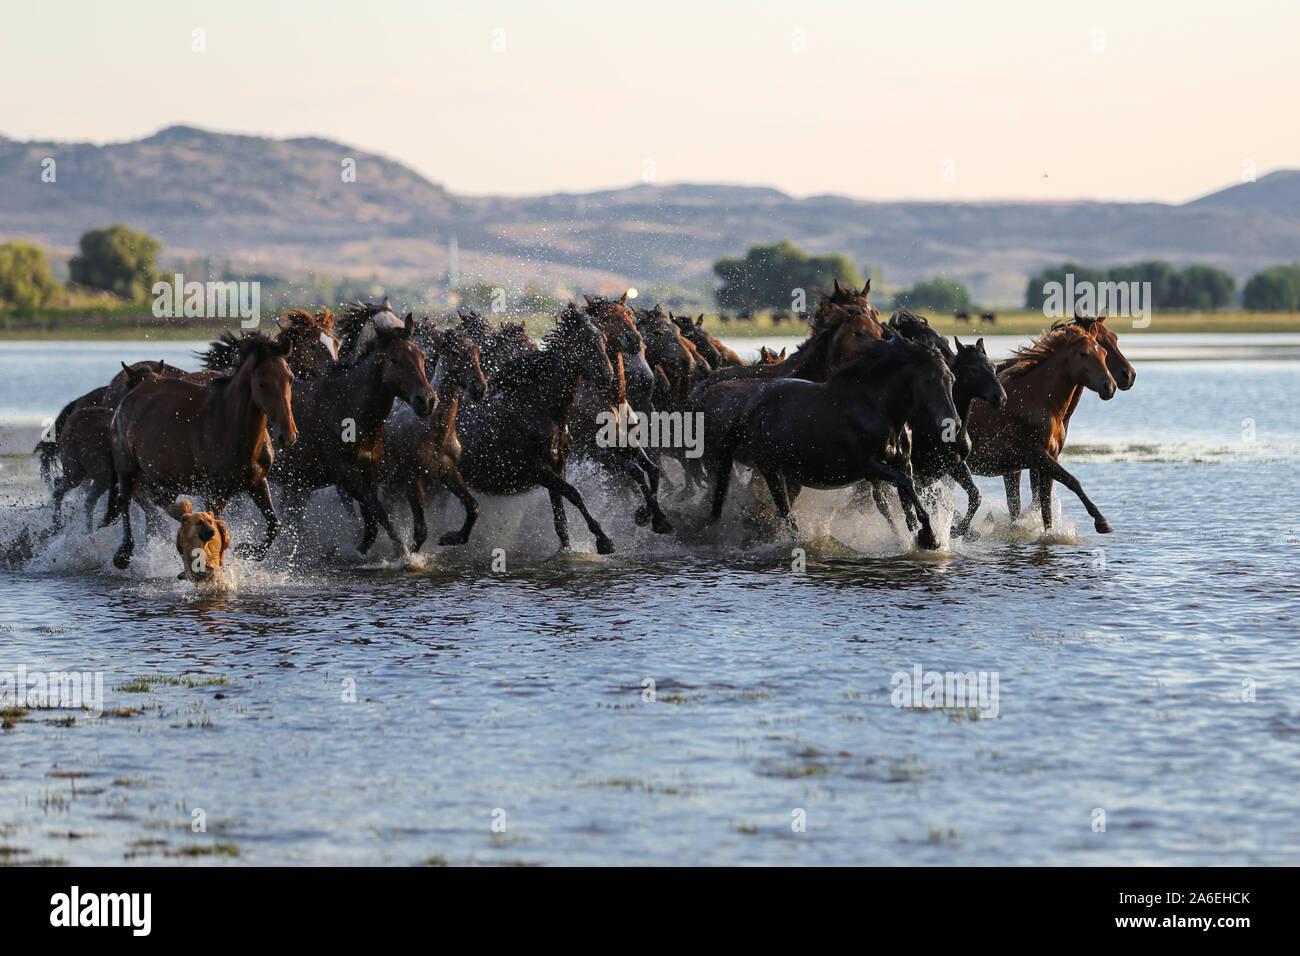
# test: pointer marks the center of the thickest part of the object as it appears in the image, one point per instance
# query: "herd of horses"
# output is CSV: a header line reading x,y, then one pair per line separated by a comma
x,y
381,408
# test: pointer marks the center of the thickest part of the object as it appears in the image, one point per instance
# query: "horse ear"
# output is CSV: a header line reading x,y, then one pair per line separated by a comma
x,y
126,368
866,289
980,345
839,289
590,300
623,301
409,323
180,508
700,321
1078,312
1101,316
958,343
387,305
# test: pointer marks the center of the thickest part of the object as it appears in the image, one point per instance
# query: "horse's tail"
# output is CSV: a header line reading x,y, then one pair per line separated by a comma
x,y
48,451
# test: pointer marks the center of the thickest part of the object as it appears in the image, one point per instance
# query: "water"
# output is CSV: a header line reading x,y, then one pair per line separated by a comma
x,y
1126,668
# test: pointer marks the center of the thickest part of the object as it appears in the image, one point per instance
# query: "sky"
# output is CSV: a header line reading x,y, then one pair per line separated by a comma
x,y
927,99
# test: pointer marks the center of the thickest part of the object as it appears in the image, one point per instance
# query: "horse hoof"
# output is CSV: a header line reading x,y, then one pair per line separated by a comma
x,y
604,546
122,559
642,517
1103,526
661,525
927,540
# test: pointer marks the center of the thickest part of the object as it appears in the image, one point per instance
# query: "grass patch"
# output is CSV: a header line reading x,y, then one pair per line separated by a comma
x,y
151,682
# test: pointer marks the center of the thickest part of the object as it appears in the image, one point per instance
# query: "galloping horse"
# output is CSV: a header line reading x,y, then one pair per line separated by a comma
x,y
827,435
594,404
342,416
178,437
515,439
1120,370
934,455
422,451
1029,431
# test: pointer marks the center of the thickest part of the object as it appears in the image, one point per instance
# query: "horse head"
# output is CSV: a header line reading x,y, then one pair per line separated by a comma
x,y
265,362
402,366
975,376
1119,367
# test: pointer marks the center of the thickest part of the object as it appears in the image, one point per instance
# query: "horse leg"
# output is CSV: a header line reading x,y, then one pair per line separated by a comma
x,y
775,480
642,473
126,485
882,504
374,512
97,490
453,481
1052,471
261,495
558,488
415,498
721,482
964,478
1012,483
907,492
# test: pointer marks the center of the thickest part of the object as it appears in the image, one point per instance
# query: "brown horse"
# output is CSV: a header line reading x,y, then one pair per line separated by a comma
x,y
84,448
797,433
1028,432
107,397
595,403
342,417
1120,370
174,437
714,352
419,451
843,325
314,347
515,439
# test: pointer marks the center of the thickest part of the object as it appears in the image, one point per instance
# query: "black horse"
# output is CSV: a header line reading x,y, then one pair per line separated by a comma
x,y
837,433
516,438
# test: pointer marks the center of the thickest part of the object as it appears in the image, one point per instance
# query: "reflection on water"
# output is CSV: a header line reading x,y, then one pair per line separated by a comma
x,y
329,710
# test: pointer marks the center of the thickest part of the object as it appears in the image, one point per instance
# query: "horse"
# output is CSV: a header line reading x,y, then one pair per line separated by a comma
x,y
107,397
174,436
315,347
1120,370
342,415
419,451
768,357
596,407
85,452
714,352
797,433
935,455
844,323
1028,432
498,345
515,439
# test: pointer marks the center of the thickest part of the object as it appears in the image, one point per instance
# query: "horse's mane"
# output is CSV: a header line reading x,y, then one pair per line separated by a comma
x,y
1026,357
880,356
534,364
221,353
246,346
350,325
916,327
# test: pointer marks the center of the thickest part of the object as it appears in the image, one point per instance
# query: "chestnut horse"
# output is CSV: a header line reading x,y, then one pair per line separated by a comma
x,y
177,437
418,451
515,439
1120,370
1029,431
797,433
342,417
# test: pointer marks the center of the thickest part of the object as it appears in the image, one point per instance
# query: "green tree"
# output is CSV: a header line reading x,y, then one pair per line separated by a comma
x,y
1202,288
1035,291
25,280
935,295
768,277
1275,289
117,259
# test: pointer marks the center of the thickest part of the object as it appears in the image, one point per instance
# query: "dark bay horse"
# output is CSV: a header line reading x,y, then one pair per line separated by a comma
x,y
515,439
595,403
341,416
418,451
107,397
933,454
797,433
498,345
85,453
178,437
1029,431
1120,370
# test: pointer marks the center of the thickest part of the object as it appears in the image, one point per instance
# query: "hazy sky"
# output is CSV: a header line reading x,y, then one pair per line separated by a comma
x,y
910,100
